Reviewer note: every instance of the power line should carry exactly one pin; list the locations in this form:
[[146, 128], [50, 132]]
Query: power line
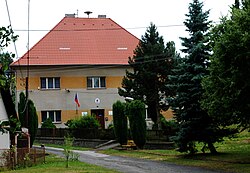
[[147, 59], [101, 29], [7, 7], [96, 29], [8, 12]]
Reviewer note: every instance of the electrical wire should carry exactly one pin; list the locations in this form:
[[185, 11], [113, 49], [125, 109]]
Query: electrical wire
[[147, 59], [101, 29], [27, 79], [8, 12], [94, 29]]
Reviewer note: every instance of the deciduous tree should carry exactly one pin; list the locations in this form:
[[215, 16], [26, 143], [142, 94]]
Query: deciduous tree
[[227, 96], [6, 80]]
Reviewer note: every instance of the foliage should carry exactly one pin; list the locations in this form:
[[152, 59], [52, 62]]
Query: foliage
[[194, 123], [33, 121], [136, 114], [151, 65], [111, 126], [227, 96], [120, 122], [32, 116], [6, 36], [6, 125], [6, 79], [68, 153], [83, 122], [13, 122], [22, 108], [48, 123], [168, 125]]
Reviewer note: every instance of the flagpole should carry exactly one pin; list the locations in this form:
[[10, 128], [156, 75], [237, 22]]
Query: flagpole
[[76, 109], [77, 103]]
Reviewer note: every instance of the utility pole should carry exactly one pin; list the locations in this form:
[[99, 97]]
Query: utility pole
[[27, 78]]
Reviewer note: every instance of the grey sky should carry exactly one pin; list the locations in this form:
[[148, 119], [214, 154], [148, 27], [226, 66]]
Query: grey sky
[[133, 15]]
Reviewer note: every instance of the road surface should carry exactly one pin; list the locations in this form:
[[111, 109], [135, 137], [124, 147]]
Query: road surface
[[130, 165]]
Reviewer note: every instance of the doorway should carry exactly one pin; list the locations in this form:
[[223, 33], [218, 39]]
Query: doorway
[[99, 115]]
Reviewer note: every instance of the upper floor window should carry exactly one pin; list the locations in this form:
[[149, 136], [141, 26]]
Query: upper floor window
[[55, 116], [96, 82], [50, 83]]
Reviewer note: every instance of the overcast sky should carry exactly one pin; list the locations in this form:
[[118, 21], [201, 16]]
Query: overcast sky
[[133, 15]]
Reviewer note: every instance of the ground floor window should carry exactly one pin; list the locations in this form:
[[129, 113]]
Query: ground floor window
[[55, 116]]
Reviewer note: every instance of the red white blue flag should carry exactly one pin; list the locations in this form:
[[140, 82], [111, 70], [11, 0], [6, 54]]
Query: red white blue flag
[[77, 100]]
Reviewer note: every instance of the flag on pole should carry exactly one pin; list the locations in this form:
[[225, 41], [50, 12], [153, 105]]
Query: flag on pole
[[77, 100]]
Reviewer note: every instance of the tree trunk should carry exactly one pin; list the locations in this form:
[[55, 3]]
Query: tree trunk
[[158, 120], [212, 148]]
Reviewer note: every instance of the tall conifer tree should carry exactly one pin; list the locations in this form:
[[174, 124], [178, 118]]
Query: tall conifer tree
[[195, 124], [151, 65]]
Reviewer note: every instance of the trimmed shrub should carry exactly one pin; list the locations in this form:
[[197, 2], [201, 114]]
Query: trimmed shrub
[[168, 125], [48, 123], [32, 116], [120, 122], [33, 121], [83, 122], [136, 112]]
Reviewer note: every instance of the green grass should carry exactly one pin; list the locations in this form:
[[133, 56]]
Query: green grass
[[56, 164], [233, 156]]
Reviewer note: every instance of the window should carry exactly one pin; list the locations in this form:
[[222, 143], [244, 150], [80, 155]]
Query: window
[[50, 83], [96, 82], [55, 116]]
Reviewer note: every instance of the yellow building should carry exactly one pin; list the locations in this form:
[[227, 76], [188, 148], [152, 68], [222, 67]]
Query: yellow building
[[83, 57]]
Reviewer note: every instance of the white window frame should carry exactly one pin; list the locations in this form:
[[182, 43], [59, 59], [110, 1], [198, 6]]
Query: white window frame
[[93, 79], [47, 83], [55, 120]]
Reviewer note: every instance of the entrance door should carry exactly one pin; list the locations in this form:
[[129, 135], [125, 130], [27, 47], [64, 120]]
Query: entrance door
[[99, 114]]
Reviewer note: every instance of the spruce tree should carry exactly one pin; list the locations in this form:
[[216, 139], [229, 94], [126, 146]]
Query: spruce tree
[[151, 65], [195, 124]]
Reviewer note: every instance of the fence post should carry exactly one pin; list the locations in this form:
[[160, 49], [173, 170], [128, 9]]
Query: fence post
[[43, 149], [35, 155]]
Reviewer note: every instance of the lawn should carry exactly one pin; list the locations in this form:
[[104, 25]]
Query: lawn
[[233, 156], [56, 164]]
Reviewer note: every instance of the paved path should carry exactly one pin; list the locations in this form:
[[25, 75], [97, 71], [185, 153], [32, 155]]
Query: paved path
[[130, 165]]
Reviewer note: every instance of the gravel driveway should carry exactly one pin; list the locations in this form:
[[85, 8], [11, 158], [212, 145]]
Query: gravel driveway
[[130, 165]]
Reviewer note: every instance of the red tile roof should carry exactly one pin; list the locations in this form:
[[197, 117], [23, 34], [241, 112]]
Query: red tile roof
[[83, 41]]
